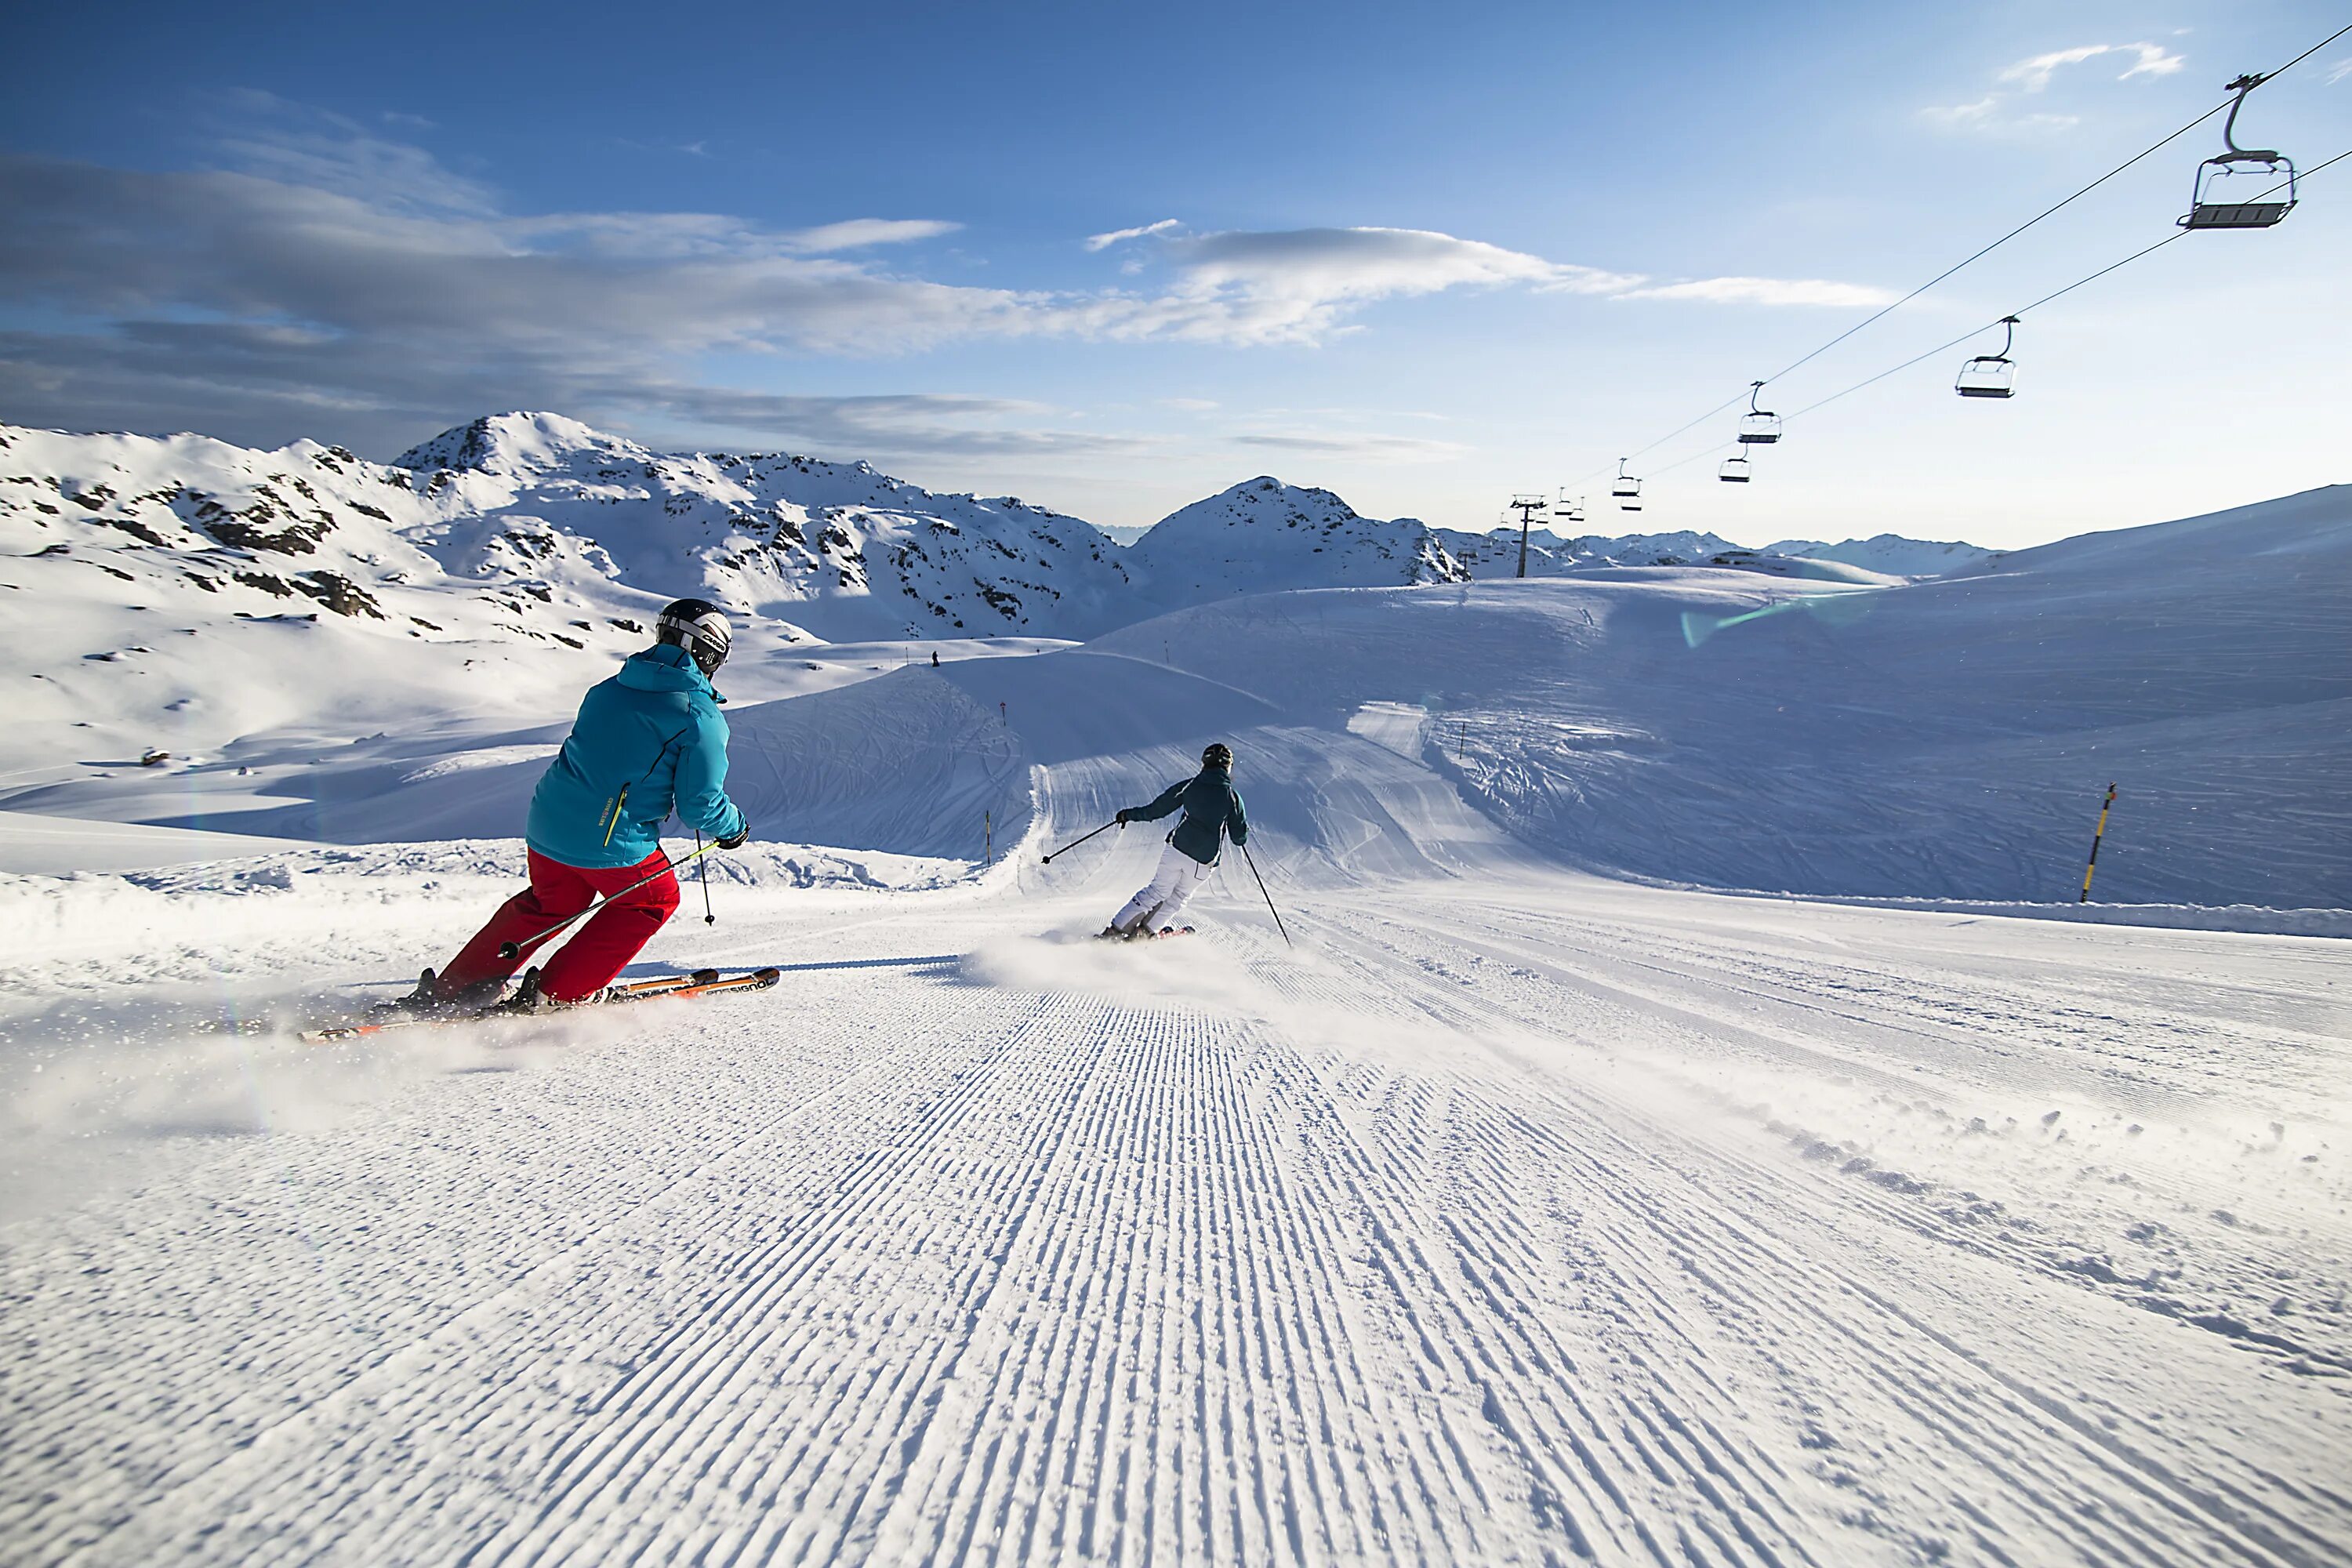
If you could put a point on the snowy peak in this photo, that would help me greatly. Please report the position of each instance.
(518, 443)
(1263, 535)
(835, 548)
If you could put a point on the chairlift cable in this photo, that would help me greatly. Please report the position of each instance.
(2053, 294)
(2012, 233)
(2306, 54)
(1997, 243)
(2047, 212)
(1944, 348)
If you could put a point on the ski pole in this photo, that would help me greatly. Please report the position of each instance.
(702, 875)
(1270, 899)
(1074, 843)
(511, 951)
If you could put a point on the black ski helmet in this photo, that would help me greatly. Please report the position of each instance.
(698, 626)
(1218, 755)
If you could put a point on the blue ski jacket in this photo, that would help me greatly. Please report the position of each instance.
(647, 741)
(1212, 811)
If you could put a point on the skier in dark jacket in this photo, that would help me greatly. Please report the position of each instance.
(649, 741)
(1213, 811)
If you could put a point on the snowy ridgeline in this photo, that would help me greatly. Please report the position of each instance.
(159, 589)
(1885, 558)
(1941, 740)
(340, 652)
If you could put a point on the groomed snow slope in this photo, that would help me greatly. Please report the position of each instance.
(1514, 1220)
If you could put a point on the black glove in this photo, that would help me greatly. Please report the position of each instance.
(737, 839)
(1122, 819)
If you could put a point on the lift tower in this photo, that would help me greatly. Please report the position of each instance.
(1526, 507)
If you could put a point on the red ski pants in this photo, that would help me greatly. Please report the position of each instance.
(597, 952)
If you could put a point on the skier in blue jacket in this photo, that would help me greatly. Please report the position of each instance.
(647, 742)
(1213, 811)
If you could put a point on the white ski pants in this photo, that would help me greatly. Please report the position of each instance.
(1160, 899)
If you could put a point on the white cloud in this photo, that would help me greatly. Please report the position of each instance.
(334, 268)
(2031, 76)
(1299, 285)
(2339, 71)
(1362, 447)
(1771, 291)
(2152, 62)
(1118, 235)
(857, 232)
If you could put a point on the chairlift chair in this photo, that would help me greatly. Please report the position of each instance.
(2208, 204)
(1990, 375)
(1758, 426)
(1734, 470)
(1569, 511)
(1626, 489)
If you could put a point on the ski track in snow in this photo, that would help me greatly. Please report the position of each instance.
(1527, 1220)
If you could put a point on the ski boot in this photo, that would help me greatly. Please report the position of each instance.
(429, 998)
(528, 998)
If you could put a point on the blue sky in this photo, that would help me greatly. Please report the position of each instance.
(1113, 258)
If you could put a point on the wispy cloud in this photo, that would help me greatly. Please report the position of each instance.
(1355, 447)
(1119, 235)
(1300, 285)
(860, 233)
(1770, 291)
(2033, 75)
(1994, 111)
(2338, 71)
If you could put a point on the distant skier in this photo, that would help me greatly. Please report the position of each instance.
(647, 741)
(1213, 812)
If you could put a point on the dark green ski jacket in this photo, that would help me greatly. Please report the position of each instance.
(1212, 811)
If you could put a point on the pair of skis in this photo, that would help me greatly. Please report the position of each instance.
(701, 983)
(1161, 935)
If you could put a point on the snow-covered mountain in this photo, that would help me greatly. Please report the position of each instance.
(161, 588)
(838, 549)
(1497, 554)
(1265, 536)
(1892, 554)
(180, 592)
(1549, 554)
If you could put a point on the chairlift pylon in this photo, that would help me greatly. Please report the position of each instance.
(1626, 489)
(1990, 375)
(2207, 205)
(1758, 426)
(1734, 469)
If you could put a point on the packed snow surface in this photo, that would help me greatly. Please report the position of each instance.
(1514, 1214)
(1511, 1217)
